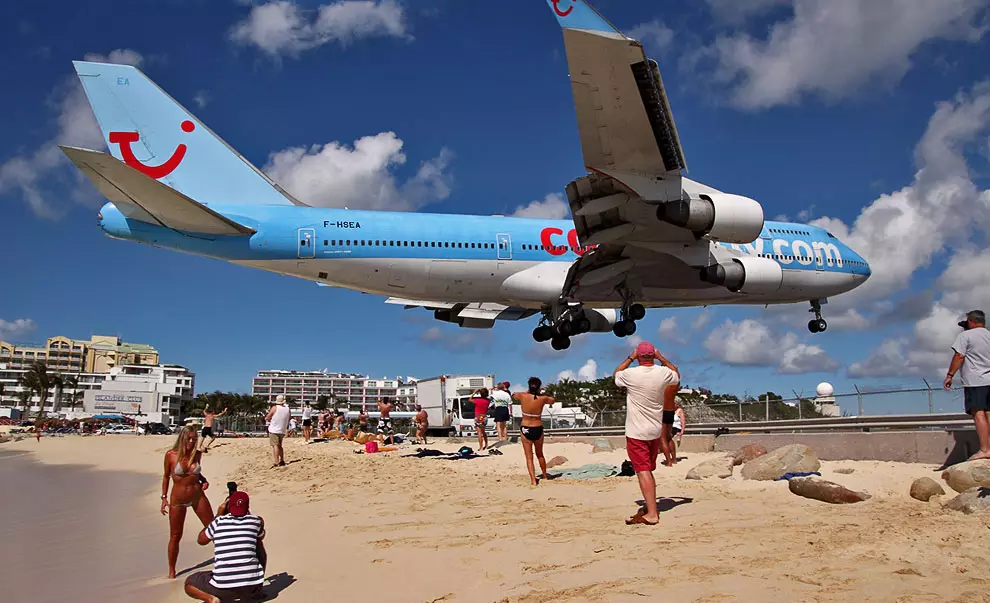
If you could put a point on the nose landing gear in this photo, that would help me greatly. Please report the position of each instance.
(818, 324)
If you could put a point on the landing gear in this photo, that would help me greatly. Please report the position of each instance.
(559, 324)
(628, 315)
(818, 324)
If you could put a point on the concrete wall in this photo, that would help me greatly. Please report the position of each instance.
(945, 447)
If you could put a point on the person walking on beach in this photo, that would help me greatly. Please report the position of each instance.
(650, 391)
(532, 403)
(208, 419)
(363, 420)
(676, 430)
(481, 402)
(501, 402)
(239, 556)
(385, 407)
(972, 358)
(278, 422)
(307, 420)
(183, 471)
(422, 421)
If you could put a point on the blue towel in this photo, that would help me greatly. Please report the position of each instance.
(788, 476)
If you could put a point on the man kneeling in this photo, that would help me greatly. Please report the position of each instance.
(239, 556)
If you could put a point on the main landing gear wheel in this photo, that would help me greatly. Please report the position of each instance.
(543, 333)
(624, 328)
(560, 343)
(628, 315)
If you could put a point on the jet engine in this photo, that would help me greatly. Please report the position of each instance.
(745, 275)
(724, 217)
(602, 321)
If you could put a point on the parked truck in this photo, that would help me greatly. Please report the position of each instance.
(447, 402)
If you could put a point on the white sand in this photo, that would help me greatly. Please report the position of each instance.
(351, 527)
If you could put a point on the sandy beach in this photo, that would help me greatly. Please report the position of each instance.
(346, 526)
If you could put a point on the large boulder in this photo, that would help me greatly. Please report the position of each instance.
(720, 467)
(971, 474)
(556, 461)
(973, 500)
(924, 488)
(825, 491)
(796, 458)
(748, 453)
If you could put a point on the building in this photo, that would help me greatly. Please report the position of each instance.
(342, 388)
(64, 355)
(150, 394)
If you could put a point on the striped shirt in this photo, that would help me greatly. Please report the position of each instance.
(235, 550)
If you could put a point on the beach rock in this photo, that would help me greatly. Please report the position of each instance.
(825, 491)
(796, 458)
(845, 471)
(748, 453)
(924, 488)
(720, 467)
(971, 474)
(602, 445)
(4, 439)
(973, 500)
(556, 461)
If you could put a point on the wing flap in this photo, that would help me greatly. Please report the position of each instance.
(142, 198)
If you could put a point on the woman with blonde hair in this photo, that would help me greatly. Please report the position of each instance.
(182, 468)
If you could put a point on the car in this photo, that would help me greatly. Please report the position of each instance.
(156, 429)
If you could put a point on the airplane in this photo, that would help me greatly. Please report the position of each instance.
(642, 236)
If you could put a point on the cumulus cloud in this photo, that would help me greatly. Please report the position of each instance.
(833, 49)
(456, 340)
(37, 174)
(544, 352)
(14, 330)
(588, 372)
(738, 11)
(654, 35)
(360, 176)
(752, 343)
(551, 207)
(282, 28)
(669, 330)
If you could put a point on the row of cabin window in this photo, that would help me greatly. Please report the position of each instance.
(369, 243)
(553, 248)
(791, 257)
(793, 232)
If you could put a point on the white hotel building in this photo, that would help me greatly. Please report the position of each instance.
(350, 389)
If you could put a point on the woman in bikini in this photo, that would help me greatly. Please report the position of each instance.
(182, 468)
(532, 403)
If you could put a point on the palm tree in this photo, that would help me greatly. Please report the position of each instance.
(63, 382)
(37, 380)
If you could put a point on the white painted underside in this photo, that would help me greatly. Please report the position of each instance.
(481, 281)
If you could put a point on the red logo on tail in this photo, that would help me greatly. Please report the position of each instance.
(556, 8)
(124, 139)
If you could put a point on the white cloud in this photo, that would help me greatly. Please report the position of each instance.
(670, 331)
(456, 339)
(654, 35)
(14, 330)
(588, 372)
(283, 28)
(544, 352)
(202, 98)
(361, 176)
(701, 321)
(33, 173)
(835, 49)
(737, 11)
(551, 207)
(752, 343)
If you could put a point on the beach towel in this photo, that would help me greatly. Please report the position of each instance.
(585, 472)
(788, 476)
(425, 452)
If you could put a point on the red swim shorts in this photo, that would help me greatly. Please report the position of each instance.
(643, 453)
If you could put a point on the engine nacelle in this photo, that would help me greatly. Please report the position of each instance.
(745, 275)
(602, 321)
(723, 217)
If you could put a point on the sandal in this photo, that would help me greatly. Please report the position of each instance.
(640, 519)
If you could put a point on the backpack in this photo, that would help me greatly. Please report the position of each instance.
(371, 447)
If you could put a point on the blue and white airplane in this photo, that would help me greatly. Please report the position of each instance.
(642, 234)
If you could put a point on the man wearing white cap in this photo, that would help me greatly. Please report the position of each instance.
(278, 422)
(972, 360)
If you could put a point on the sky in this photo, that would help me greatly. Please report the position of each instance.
(868, 117)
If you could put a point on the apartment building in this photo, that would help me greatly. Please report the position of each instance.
(60, 354)
(343, 388)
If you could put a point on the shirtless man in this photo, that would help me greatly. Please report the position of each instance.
(422, 421)
(385, 407)
(208, 419)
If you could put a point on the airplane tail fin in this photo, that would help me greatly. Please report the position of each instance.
(149, 131)
(578, 14)
(141, 197)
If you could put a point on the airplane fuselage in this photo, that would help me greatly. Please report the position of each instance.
(513, 261)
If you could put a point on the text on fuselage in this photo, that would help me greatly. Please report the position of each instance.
(341, 224)
(788, 252)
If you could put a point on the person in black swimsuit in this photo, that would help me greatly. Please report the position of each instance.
(532, 403)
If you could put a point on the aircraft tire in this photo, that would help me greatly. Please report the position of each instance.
(637, 312)
(583, 325)
(822, 325)
(560, 343)
(629, 327)
(541, 334)
(813, 326)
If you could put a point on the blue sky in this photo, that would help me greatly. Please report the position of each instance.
(870, 118)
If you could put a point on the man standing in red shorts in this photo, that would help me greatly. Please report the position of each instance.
(650, 391)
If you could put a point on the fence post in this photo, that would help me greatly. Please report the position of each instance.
(859, 399)
(768, 408)
(931, 401)
(740, 411)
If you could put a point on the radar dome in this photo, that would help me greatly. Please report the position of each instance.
(825, 389)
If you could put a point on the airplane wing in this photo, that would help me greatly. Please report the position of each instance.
(143, 198)
(476, 315)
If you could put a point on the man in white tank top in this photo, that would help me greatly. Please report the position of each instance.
(278, 423)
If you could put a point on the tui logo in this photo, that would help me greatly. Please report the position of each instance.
(124, 139)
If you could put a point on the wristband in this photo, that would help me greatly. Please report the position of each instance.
(164, 496)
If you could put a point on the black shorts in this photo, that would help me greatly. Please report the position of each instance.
(532, 434)
(667, 418)
(501, 414)
(977, 398)
(201, 581)
(208, 432)
(675, 431)
(384, 425)
(307, 422)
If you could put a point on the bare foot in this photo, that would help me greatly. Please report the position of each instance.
(982, 454)
(171, 574)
